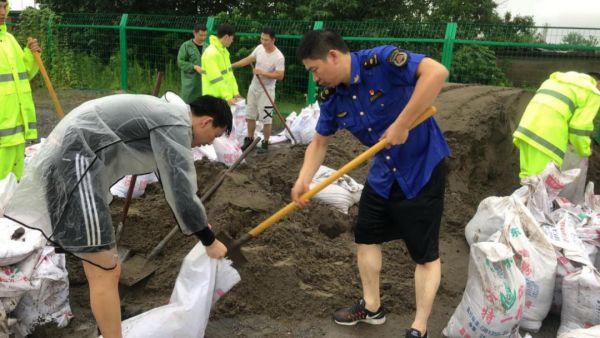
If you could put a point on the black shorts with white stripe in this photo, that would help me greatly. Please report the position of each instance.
(81, 223)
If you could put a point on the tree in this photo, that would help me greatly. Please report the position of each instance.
(577, 39)
(482, 11)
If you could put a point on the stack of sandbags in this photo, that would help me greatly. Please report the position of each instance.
(303, 125)
(554, 244)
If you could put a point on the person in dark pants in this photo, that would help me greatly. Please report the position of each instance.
(189, 61)
(377, 93)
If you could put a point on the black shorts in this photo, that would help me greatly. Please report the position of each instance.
(416, 221)
(80, 216)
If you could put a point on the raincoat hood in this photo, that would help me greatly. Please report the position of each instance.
(578, 79)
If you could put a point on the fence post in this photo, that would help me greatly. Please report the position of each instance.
(123, 50)
(49, 40)
(210, 25)
(311, 94)
(449, 45)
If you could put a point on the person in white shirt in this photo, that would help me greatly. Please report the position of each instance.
(270, 66)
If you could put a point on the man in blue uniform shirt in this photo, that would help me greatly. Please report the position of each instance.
(377, 93)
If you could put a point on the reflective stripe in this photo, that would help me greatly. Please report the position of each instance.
(580, 132)
(213, 81)
(559, 96)
(541, 141)
(10, 78)
(32, 125)
(223, 72)
(11, 131)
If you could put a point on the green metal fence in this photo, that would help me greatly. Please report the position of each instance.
(124, 51)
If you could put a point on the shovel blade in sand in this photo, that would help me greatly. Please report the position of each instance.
(234, 252)
(136, 269)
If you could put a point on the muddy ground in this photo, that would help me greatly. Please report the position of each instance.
(304, 267)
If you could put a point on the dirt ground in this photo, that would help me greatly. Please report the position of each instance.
(304, 267)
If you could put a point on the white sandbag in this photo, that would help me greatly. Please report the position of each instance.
(14, 251)
(592, 332)
(493, 300)
(200, 283)
(536, 259)
(488, 219)
(591, 201)
(570, 250)
(575, 190)
(303, 126)
(228, 151)
(564, 267)
(491, 216)
(16, 279)
(7, 188)
(207, 151)
(545, 188)
(581, 300)
(48, 302)
(341, 194)
(121, 188)
(240, 127)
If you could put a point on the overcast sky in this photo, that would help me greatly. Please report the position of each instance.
(571, 13)
(20, 4)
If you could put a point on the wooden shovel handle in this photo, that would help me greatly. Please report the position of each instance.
(53, 96)
(341, 172)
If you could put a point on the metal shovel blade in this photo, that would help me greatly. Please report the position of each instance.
(136, 269)
(233, 249)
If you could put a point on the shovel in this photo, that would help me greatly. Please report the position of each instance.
(138, 267)
(233, 246)
(38, 59)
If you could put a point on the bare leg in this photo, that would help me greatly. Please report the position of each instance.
(251, 127)
(369, 266)
(104, 292)
(267, 132)
(427, 282)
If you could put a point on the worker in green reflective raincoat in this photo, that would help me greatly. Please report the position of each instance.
(562, 112)
(17, 112)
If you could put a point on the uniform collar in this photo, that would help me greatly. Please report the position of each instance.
(355, 77)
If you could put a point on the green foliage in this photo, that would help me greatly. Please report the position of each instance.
(482, 11)
(33, 23)
(577, 39)
(477, 64)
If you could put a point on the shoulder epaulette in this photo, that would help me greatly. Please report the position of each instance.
(371, 62)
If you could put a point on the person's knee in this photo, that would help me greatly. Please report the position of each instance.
(432, 265)
(106, 280)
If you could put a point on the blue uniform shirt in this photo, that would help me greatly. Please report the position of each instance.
(382, 81)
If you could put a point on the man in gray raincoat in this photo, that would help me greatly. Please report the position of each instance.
(65, 190)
